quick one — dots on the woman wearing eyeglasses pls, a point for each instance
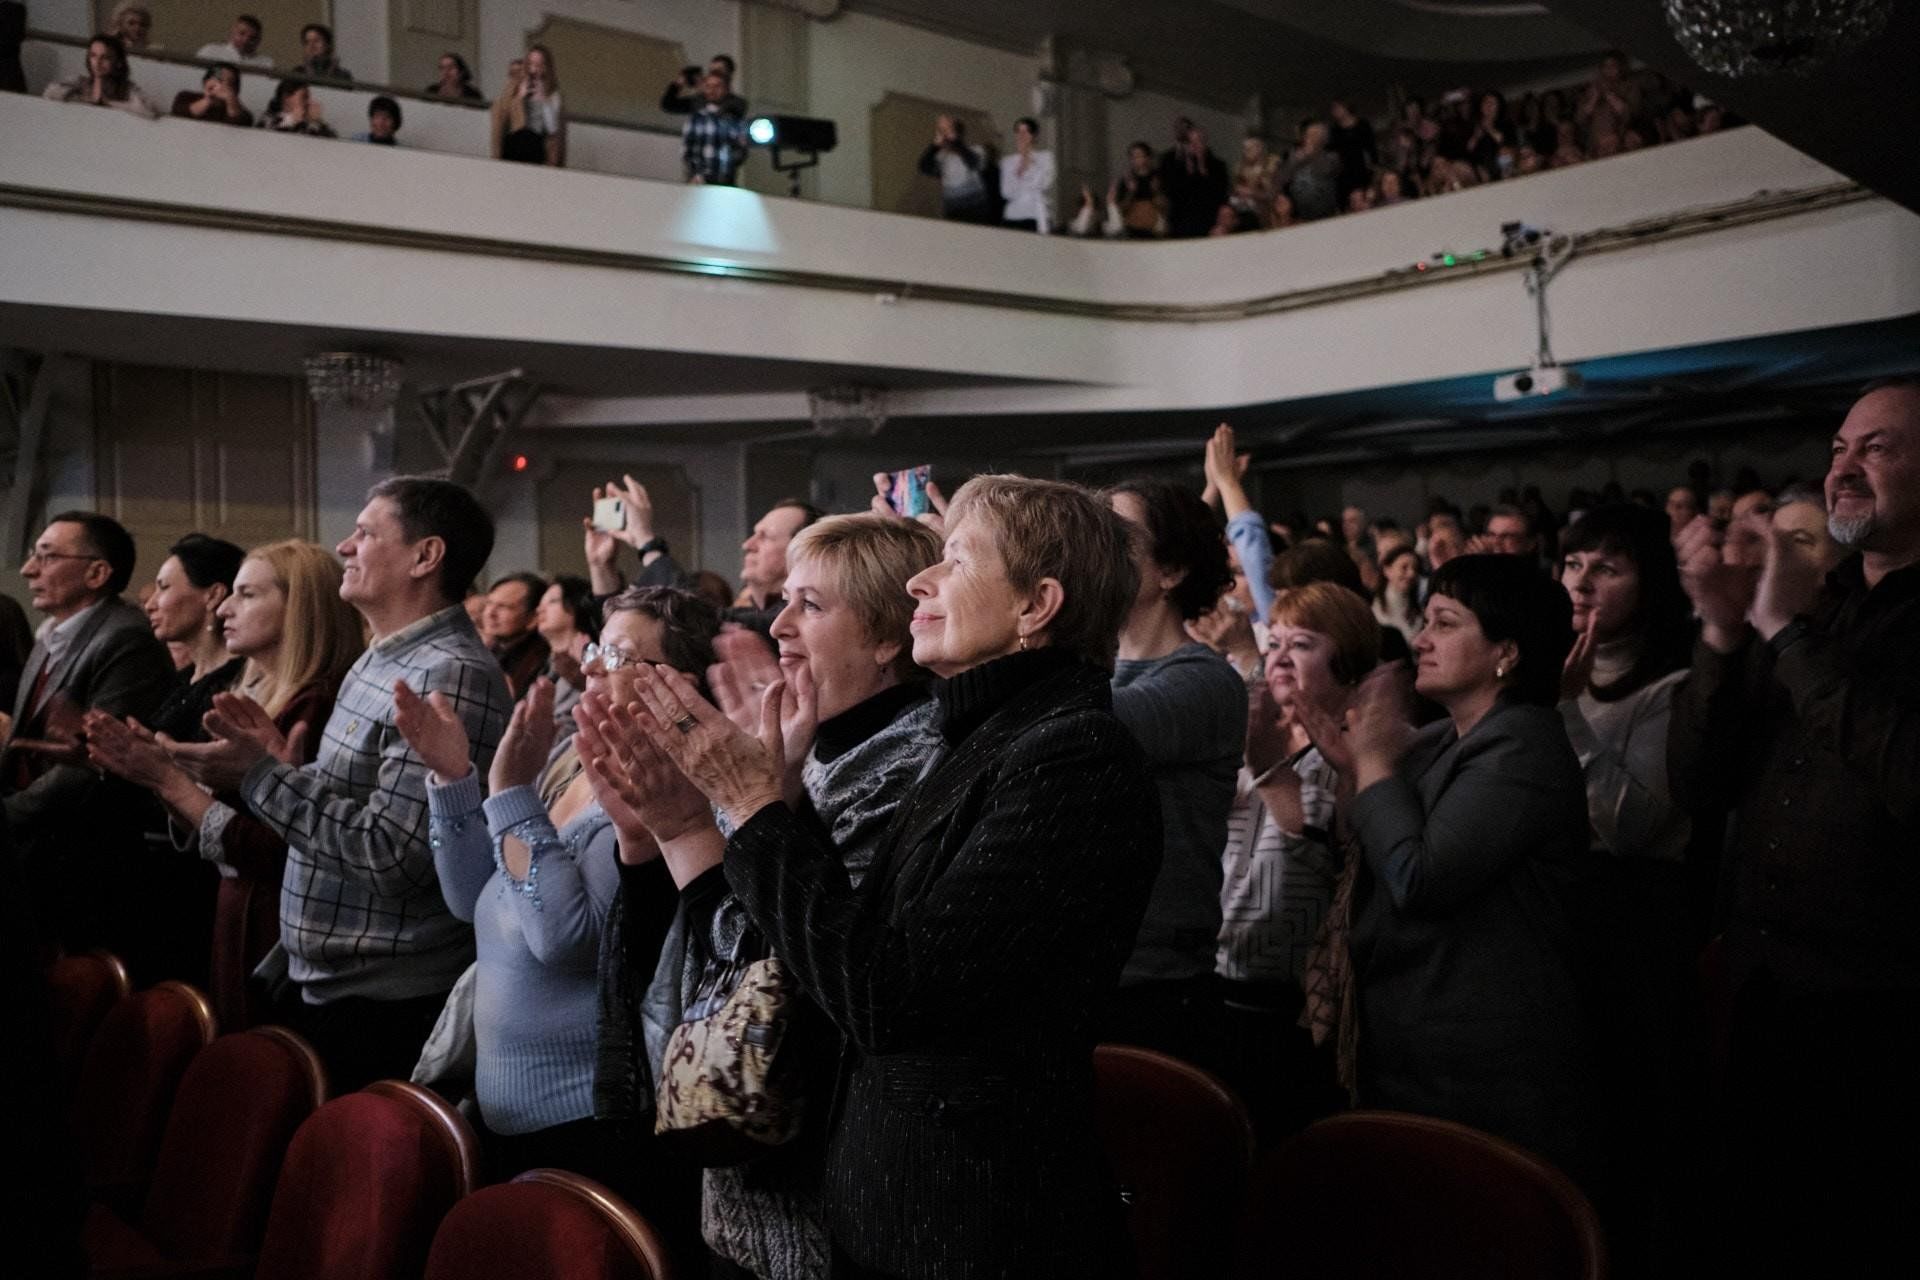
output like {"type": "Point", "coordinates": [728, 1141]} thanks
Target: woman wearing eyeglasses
{"type": "Point", "coordinates": [534, 866]}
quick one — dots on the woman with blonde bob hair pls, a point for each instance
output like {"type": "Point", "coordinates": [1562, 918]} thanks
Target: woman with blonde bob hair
{"type": "Point", "coordinates": [965, 969]}
{"type": "Point", "coordinates": [845, 650]}
{"type": "Point", "coordinates": [286, 618]}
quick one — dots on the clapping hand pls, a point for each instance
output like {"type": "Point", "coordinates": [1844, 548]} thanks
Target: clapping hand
{"type": "Point", "coordinates": [1722, 592]}
{"type": "Point", "coordinates": [643, 793]}
{"type": "Point", "coordinates": [432, 728]}
{"type": "Point", "coordinates": [741, 773]}
{"type": "Point", "coordinates": [1788, 584]}
{"type": "Point", "coordinates": [526, 744]}
{"type": "Point", "coordinates": [1577, 674]}
{"type": "Point", "coordinates": [243, 735]}
{"type": "Point", "coordinates": [128, 750]}
{"type": "Point", "coordinates": [746, 670]}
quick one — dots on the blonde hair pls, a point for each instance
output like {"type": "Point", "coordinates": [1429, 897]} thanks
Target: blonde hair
{"type": "Point", "coordinates": [1339, 615]}
{"type": "Point", "coordinates": [870, 558]}
{"type": "Point", "coordinates": [320, 634]}
{"type": "Point", "coordinates": [1052, 529]}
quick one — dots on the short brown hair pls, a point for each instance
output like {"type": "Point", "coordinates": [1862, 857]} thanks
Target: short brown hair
{"type": "Point", "coordinates": [1339, 615]}
{"type": "Point", "coordinates": [688, 625]}
{"type": "Point", "coordinates": [871, 557]}
{"type": "Point", "coordinates": [1051, 529]}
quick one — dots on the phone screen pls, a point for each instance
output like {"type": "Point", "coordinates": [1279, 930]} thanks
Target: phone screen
{"type": "Point", "coordinates": [610, 514]}
{"type": "Point", "coordinates": [907, 493]}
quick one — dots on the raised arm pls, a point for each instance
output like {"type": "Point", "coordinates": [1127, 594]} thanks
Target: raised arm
{"type": "Point", "coordinates": [562, 904]}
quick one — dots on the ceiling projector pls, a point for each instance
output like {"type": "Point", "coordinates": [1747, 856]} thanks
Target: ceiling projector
{"type": "Point", "coordinates": [1541, 380]}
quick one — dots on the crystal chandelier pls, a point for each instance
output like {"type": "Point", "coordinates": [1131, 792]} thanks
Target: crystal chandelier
{"type": "Point", "coordinates": [1736, 38]}
{"type": "Point", "coordinates": [847, 410]}
{"type": "Point", "coordinates": [353, 379]}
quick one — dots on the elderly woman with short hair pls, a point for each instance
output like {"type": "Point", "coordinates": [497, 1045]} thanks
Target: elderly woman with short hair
{"type": "Point", "coordinates": [843, 636]}
{"type": "Point", "coordinates": [965, 967]}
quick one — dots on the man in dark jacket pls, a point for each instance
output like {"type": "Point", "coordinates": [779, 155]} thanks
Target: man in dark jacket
{"type": "Point", "coordinates": [1196, 184]}
{"type": "Point", "coordinates": [95, 651]}
{"type": "Point", "coordinates": [1802, 719]}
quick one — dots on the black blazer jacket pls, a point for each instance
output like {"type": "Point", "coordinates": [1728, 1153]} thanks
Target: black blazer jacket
{"type": "Point", "coordinates": [1462, 942]}
{"type": "Point", "coordinates": [966, 974]}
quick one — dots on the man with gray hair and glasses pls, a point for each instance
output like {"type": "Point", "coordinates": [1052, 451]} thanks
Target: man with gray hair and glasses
{"type": "Point", "coordinates": [1800, 721]}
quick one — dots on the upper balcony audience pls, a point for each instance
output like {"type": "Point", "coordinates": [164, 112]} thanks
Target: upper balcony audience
{"type": "Point", "coordinates": [713, 141]}
{"type": "Point", "coordinates": [107, 81]}
{"type": "Point", "coordinates": [967, 173]}
{"type": "Point", "coordinates": [218, 101]}
{"type": "Point", "coordinates": [529, 119]}
{"type": "Point", "coordinates": [686, 92]}
{"type": "Point", "coordinates": [318, 60]}
{"type": "Point", "coordinates": [294, 109]}
{"type": "Point", "coordinates": [1026, 180]}
{"type": "Point", "coordinates": [383, 122]}
{"type": "Point", "coordinates": [133, 23]}
{"type": "Point", "coordinates": [455, 80]}
{"type": "Point", "coordinates": [242, 45]}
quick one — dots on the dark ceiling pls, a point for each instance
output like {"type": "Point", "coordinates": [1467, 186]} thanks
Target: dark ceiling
{"type": "Point", "coordinates": [1859, 115]}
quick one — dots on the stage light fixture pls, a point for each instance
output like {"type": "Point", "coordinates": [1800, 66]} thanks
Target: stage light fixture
{"type": "Point", "coordinates": [797, 142]}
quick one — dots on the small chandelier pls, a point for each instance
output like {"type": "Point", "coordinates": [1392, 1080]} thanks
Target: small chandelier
{"type": "Point", "coordinates": [353, 379]}
{"type": "Point", "coordinates": [847, 411]}
{"type": "Point", "coordinates": [1737, 38]}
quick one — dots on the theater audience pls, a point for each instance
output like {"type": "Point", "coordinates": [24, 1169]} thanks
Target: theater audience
{"type": "Point", "coordinates": [455, 80]}
{"type": "Point", "coordinates": [1312, 175]}
{"type": "Point", "coordinates": [529, 119]}
{"type": "Point", "coordinates": [683, 93]}
{"type": "Point", "coordinates": [1279, 861]}
{"type": "Point", "coordinates": [285, 622]}
{"type": "Point", "coordinates": [531, 863]}
{"type": "Point", "coordinates": [844, 634]}
{"type": "Point", "coordinates": [218, 101]}
{"type": "Point", "coordinates": [1683, 504]}
{"type": "Point", "coordinates": [1800, 720]}
{"type": "Point", "coordinates": [133, 24]}
{"type": "Point", "coordinates": [1026, 181]}
{"type": "Point", "coordinates": [713, 141]}
{"type": "Point", "coordinates": [1246, 528]}
{"type": "Point", "coordinates": [107, 82]}
{"type": "Point", "coordinates": [318, 61]}
{"type": "Point", "coordinates": [568, 619]}
{"type": "Point", "coordinates": [294, 110]}
{"type": "Point", "coordinates": [763, 564]}
{"type": "Point", "coordinates": [371, 950]}
{"type": "Point", "coordinates": [94, 651]}
{"type": "Point", "coordinates": [965, 947]}
{"type": "Point", "coordinates": [1472, 840]}
{"type": "Point", "coordinates": [963, 170]}
{"type": "Point", "coordinates": [1351, 139]}
{"type": "Point", "coordinates": [657, 565]}
{"type": "Point", "coordinates": [1194, 180]}
{"type": "Point", "coordinates": [1140, 196]}
{"type": "Point", "coordinates": [1253, 178]}
{"type": "Point", "coordinates": [383, 122]}
{"type": "Point", "coordinates": [1800, 517]}
{"type": "Point", "coordinates": [1510, 532]}
{"type": "Point", "coordinates": [507, 625]}
{"type": "Point", "coordinates": [1187, 708]}
{"type": "Point", "coordinates": [1396, 599]}
{"type": "Point", "coordinates": [242, 45]}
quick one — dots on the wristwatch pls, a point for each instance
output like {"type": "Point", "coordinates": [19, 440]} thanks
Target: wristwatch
{"type": "Point", "coordinates": [1788, 636]}
{"type": "Point", "coordinates": [652, 545]}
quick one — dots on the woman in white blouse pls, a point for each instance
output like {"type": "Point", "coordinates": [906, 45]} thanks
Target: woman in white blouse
{"type": "Point", "coordinates": [1026, 181]}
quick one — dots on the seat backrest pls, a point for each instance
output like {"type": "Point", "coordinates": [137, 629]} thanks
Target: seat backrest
{"type": "Point", "coordinates": [1181, 1146]}
{"type": "Point", "coordinates": [237, 1110]}
{"type": "Point", "coordinates": [81, 991]}
{"type": "Point", "coordinates": [1376, 1194]}
{"type": "Point", "coordinates": [547, 1224]}
{"type": "Point", "coordinates": [133, 1069]}
{"type": "Point", "coordinates": [365, 1184]}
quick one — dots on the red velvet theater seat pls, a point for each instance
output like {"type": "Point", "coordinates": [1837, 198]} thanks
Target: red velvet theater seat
{"type": "Point", "coordinates": [547, 1224]}
{"type": "Point", "coordinates": [81, 991]}
{"type": "Point", "coordinates": [366, 1182]}
{"type": "Point", "coordinates": [1181, 1146]}
{"type": "Point", "coordinates": [235, 1114]}
{"type": "Point", "coordinates": [1378, 1194]}
{"type": "Point", "coordinates": [126, 1088]}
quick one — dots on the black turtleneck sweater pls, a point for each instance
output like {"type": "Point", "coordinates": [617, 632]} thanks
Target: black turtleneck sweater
{"type": "Point", "coordinates": [965, 972]}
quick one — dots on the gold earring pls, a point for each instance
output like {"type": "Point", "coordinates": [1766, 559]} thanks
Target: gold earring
{"type": "Point", "coordinates": [1500, 672]}
{"type": "Point", "coordinates": [1023, 642]}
